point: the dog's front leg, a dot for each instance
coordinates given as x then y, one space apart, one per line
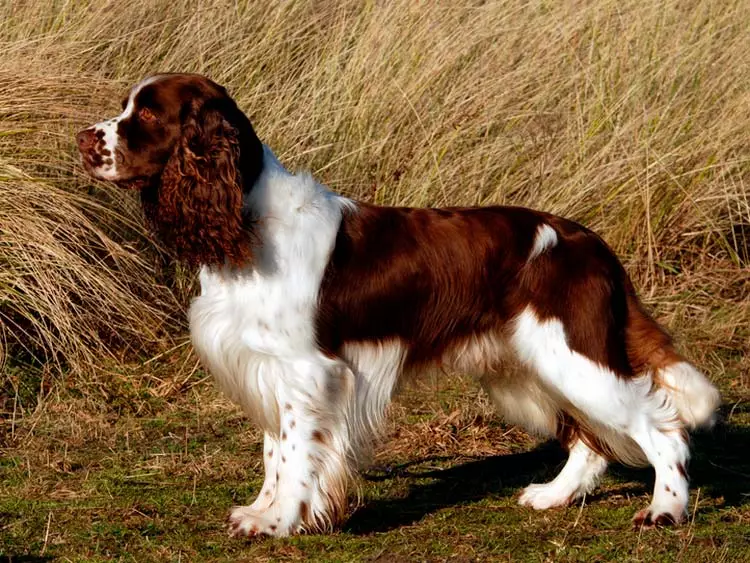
312 470
270 464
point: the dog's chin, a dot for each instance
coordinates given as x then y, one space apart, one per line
135 184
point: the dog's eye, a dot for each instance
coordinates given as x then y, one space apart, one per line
146 115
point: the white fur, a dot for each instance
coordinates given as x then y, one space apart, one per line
578 477
545 238
516 391
644 413
479 354
521 399
378 367
695 399
254 331
271 457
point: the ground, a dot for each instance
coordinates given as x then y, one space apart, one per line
152 479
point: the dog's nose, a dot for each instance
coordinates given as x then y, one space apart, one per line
86 140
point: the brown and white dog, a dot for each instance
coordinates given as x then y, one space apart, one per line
313 306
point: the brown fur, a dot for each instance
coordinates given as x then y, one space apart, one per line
569 431
435 278
196 208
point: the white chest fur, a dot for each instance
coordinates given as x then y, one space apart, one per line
254 328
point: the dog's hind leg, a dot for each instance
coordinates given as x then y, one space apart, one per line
579 476
522 399
632 406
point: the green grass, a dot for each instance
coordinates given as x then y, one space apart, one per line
156 485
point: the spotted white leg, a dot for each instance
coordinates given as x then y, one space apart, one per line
311 475
668 452
270 464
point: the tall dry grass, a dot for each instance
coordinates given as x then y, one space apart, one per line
630 116
75 292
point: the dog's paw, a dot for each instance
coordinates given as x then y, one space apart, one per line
543 496
246 521
654 516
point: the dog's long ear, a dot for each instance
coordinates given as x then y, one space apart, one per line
198 207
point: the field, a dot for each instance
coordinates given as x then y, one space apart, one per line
631 117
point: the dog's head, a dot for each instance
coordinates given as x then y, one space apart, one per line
183 141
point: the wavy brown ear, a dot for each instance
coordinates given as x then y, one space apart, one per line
197 209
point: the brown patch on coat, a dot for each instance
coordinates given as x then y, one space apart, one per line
569 431
433 278
322 437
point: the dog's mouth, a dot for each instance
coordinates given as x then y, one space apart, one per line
92 163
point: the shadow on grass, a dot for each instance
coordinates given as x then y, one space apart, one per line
720 467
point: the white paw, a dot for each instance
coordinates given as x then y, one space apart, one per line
246 521
658 516
547 495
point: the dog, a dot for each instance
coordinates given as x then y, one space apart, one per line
314 307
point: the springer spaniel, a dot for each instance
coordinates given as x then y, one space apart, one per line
314 306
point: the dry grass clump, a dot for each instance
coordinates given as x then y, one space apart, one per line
629 116
64 281
74 292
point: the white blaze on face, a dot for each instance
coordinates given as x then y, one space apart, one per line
109 142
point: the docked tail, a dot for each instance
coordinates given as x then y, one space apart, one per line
650 349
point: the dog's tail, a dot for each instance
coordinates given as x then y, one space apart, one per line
650 349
